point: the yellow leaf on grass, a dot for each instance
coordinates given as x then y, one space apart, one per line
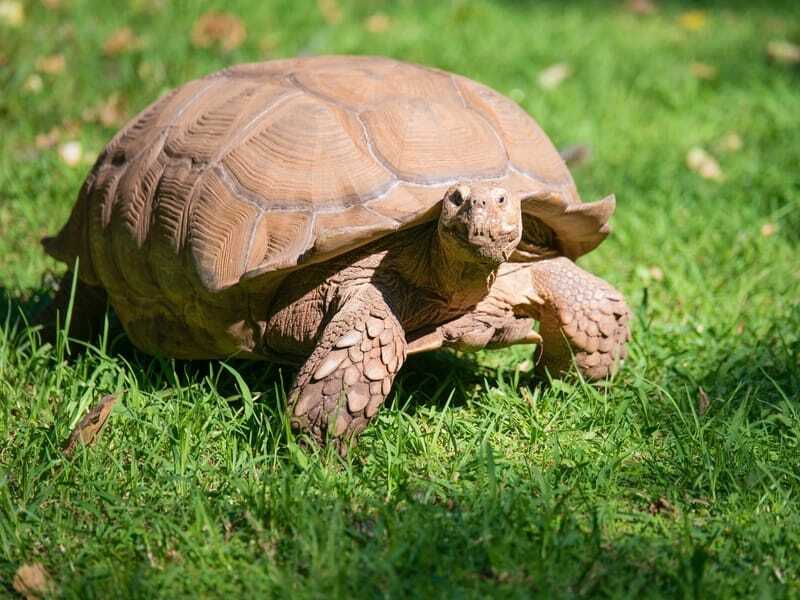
12 13
784 52
218 28
731 142
693 20
551 77
33 84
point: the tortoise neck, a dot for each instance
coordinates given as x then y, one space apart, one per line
451 272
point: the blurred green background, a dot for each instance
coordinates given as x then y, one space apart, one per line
679 479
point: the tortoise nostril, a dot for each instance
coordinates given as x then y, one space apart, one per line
501 200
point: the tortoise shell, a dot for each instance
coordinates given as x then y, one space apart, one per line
265 167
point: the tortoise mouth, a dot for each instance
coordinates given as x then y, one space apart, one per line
495 248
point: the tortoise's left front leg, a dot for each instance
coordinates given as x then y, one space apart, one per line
580 316
504 318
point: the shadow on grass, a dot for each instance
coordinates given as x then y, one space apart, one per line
426 378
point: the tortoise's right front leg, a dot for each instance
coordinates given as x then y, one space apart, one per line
348 376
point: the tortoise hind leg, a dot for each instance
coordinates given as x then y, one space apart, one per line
346 379
88 311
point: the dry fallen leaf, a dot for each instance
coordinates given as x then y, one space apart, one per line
52 4
703 71
784 52
702 163
768 229
90 426
703 402
551 77
331 11
11 13
377 23
122 40
47 140
576 155
656 273
32 581
641 7
71 152
731 142
692 20
661 505
33 84
109 113
220 28
51 65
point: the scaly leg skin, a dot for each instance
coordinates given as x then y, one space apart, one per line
504 318
88 311
581 315
348 376
477 331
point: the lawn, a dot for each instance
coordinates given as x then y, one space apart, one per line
679 478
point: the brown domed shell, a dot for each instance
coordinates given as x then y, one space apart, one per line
264 167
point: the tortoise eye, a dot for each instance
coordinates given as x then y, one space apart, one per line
456 198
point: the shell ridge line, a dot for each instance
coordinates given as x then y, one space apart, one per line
379 215
250 240
105 221
482 116
374 152
236 188
318 95
368 141
165 129
191 101
458 90
559 185
148 245
241 135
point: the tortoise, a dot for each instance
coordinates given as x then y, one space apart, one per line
338 213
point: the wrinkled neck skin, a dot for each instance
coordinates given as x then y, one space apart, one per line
447 269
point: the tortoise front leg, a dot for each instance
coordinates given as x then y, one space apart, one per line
478 331
582 316
348 376
504 318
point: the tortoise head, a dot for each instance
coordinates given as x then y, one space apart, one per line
481 221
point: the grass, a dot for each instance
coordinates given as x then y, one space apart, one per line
475 480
